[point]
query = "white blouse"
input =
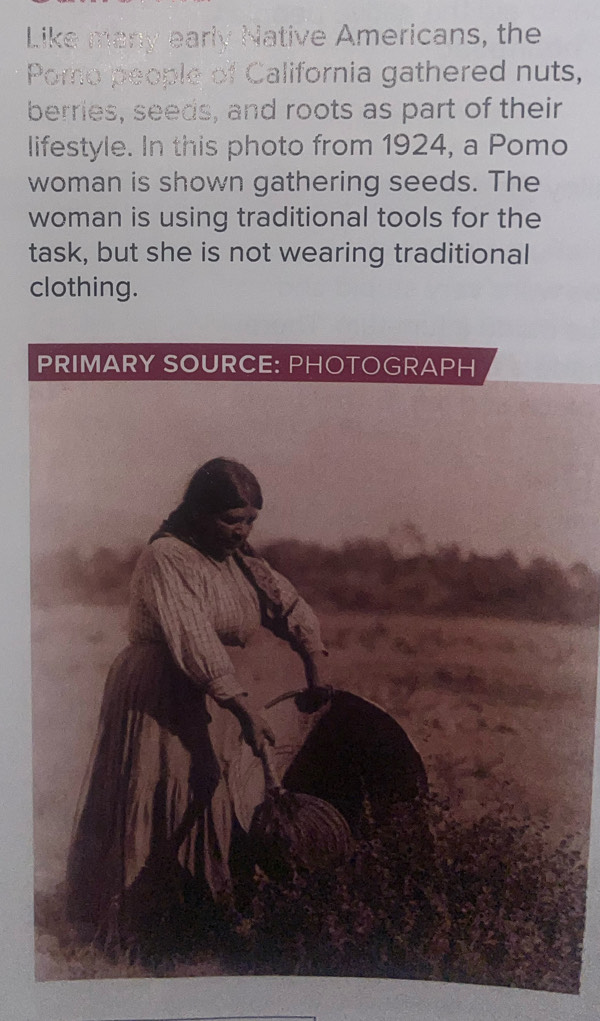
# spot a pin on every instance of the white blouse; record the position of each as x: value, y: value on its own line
x: 197, y: 605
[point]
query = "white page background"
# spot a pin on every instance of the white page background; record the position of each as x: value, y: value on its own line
x: 545, y: 327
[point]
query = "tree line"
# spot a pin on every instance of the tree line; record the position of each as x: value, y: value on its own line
x: 366, y: 575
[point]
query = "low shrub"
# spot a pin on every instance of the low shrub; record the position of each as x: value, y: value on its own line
x: 424, y: 896
x: 428, y: 897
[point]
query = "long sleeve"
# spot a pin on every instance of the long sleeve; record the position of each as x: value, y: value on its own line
x: 298, y: 624
x: 180, y: 610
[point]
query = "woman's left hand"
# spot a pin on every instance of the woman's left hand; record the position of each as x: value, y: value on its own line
x: 318, y: 691
x: 313, y: 669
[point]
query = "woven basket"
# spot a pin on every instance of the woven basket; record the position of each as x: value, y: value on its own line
x: 292, y: 830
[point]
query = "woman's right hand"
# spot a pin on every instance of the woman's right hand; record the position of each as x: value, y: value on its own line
x: 255, y: 731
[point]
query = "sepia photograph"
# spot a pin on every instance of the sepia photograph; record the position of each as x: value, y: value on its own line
x: 314, y: 679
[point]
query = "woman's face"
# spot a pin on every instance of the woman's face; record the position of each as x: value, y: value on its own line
x: 229, y: 529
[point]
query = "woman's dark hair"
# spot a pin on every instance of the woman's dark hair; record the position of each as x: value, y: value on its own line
x: 219, y: 485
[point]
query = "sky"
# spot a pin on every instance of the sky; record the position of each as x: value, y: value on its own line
x: 505, y: 466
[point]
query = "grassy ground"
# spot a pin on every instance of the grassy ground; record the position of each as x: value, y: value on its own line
x: 502, y: 713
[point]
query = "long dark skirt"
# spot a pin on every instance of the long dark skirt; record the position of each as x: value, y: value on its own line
x: 153, y: 830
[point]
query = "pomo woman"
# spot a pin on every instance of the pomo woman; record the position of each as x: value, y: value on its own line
x: 154, y: 828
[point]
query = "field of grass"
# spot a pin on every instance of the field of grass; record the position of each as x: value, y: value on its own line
x: 502, y: 713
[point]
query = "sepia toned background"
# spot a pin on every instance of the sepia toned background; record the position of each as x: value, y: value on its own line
x: 506, y: 466
x: 447, y: 538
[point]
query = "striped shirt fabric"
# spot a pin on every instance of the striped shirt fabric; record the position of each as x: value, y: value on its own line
x: 198, y: 606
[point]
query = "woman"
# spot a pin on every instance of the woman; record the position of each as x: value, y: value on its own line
x: 154, y: 832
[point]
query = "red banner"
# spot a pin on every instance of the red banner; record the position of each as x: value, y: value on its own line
x: 296, y: 363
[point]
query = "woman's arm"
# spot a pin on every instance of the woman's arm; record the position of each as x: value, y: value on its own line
x: 298, y: 624
x: 313, y: 668
x: 171, y: 594
x: 175, y: 602
x: 294, y: 621
x: 255, y: 731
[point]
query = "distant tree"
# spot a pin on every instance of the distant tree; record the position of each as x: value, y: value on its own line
x: 368, y: 575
